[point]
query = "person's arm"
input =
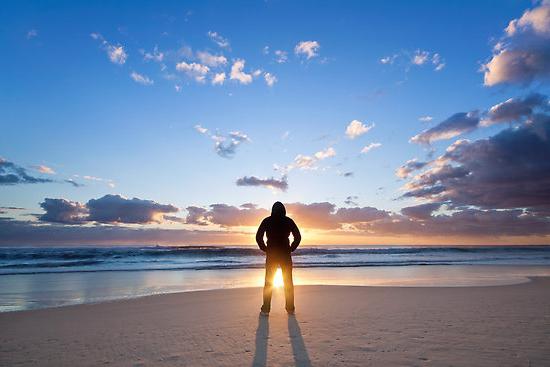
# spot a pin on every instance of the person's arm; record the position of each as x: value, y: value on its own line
x: 260, y: 236
x: 296, y: 234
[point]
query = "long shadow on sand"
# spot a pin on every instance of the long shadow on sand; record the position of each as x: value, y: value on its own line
x: 262, y: 335
x: 301, y: 357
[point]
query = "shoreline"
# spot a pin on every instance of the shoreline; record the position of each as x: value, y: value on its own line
x: 356, y: 325
x: 40, y: 291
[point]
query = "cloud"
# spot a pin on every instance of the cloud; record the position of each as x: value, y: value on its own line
x: 116, y: 53
x: 357, y: 128
x: 281, y: 57
x: 44, y: 169
x: 208, y: 59
x: 271, y: 182
x: 417, y: 58
x: 350, y: 200
x: 347, y: 174
x: 32, y: 33
x: 117, y: 209
x: 141, y: 79
x: 371, y: 146
x: 455, y: 125
x: 515, y: 109
x: 228, y: 215
x: 388, y: 59
x: 219, y: 39
x: 324, y: 154
x: 196, y: 215
x: 111, y: 209
x: 193, y: 70
x: 63, y: 211
x: 410, y: 166
x: 422, y: 211
x: 523, y: 53
x: 225, y: 145
x: 238, y: 74
x: 73, y: 182
x: 425, y: 118
x: 270, y: 79
x: 510, y: 170
x: 306, y: 162
x: 420, y: 57
x: 308, y: 48
x: 218, y: 79
x: 12, y: 174
x: 156, y: 55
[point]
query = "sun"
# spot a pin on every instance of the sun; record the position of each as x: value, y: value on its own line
x: 278, y: 279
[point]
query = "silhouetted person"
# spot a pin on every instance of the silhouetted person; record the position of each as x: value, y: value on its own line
x: 278, y: 227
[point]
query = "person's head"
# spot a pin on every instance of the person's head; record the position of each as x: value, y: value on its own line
x: 278, y: 210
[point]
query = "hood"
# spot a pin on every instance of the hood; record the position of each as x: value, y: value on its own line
x: 278, y: 210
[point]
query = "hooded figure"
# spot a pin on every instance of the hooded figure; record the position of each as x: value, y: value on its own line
x: 278, y: 228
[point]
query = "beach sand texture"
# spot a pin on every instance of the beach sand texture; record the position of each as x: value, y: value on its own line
x: 333, y: 326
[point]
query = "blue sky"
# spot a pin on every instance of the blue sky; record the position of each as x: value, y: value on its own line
x: 68, y: 103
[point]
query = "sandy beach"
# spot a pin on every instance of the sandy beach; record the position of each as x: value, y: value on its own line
x: 334, y: 325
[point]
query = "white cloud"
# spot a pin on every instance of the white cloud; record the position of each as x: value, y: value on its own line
x: 193, y: 70
x: 141, y: 79
x: 32, y: 33
x: 219, y: 39
x: 237, y: 72
x: 116, y: 54
x: 44, y: 169
x: 281, y: 56
x: 201, y: 129
x: 177, y: 87
x: 218, y: 79
x: 303, y: 162
x: 425, y: 118
x: 420, y: 57
x: 156, y: 55
x: 211, y: 60
x: 308, y: 48
x: 388, y: 59
x: 357, y: 128
x: 327, y: 153
x: 370, y: 147
x: 523, y: 53
x: 270, y: 79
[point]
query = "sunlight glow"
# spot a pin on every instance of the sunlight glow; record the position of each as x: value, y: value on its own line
x: 278, y: 279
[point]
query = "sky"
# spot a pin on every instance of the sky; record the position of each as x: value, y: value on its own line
x: 181, y: 122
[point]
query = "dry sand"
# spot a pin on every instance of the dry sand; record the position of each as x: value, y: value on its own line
x: 334, y: 325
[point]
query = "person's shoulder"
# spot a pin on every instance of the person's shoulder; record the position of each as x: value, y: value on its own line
x: 266, y: 220
x: 290, y: 221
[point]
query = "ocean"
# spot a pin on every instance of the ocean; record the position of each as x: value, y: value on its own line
x: 33, y: 278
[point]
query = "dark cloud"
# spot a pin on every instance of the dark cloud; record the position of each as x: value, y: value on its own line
x: 63, y: 211
x: 409, y: 167
x: 506, y: 171
x: 12, y: 174
x: 457, y: 124
x: 471, y: 223
x: 230, y: 216
x: 523, y: 53
x: 74, y: 183
x: 515, y: 109
x: 422, y: 211
x: 350, y: 200
x: 117, y: 209
x: 347, y: 174
x: 111, y: 209
x: 15, y: 233
x: 271, y: 182
x: 196, y: 215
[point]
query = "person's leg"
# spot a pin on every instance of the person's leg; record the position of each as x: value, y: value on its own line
x: 286, y: 267
x: 270, y: 268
